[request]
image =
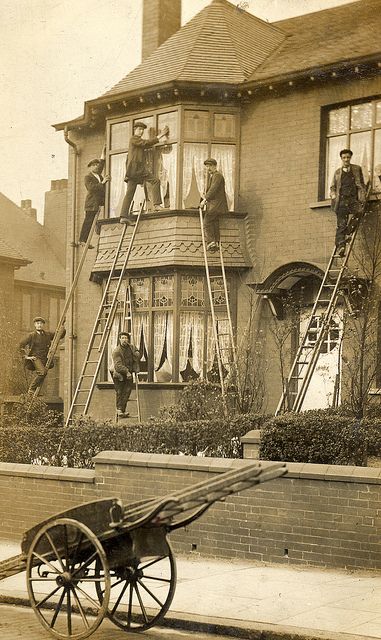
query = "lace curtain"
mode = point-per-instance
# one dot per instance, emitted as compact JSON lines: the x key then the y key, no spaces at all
{"x":223,"y":328}
{"x":140,"y":327}
{"x":191,"y":324}
{"x":163,"y":337}
{"x":225,"y":156}
{"x":112,"y":343}
{"x":167,"y":173}
{"x":193,"y":164}
{"x":117,"y":184}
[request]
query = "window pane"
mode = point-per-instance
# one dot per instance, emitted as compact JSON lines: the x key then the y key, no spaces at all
{"x":191,"y":345}
{"x":117,"y":184}
{"x":360,"y":144}
{"x":377,"y":160}
{"x":140,"y":337}
{"x":149,"y":122}
{"x":163,"y":291}
{"x":378,"y":112}
{"x":338,"y":120}
{"x":192,"y":291}
{"x":218,"y":292}
{"x":163,"y":345}
{"x":225,"y":156}
{"x":120,"y":135}
{"x":224,"y":125}
{"x":194,"y":173}
{"x":361,"y":116}
{"x":333,"y":158}
{"x":140,"y":292}
{"x":166,"y":171}
{"x":197,"y":125}
{"x":169,"y":119}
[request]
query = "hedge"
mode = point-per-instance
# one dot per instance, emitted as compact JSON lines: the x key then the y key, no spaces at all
{"x":39,"y":443}
{"x":318,"y":436}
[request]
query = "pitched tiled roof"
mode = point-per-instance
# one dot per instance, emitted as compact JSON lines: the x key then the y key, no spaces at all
{"x":348,"y":32}
{"x":220,"y":44}
{"x":10,"y":254}
{"x":27,"y":237}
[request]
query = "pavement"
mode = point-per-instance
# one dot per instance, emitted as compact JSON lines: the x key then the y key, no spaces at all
{"x":246,"y":599}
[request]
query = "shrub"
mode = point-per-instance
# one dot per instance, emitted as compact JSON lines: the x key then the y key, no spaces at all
{"x":318,"y":436}
{"x":372,"y":428}
{"x":199,"y":400}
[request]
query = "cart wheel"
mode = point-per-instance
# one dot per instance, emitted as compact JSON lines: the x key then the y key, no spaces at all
{"x":66,"y":566}
{"x":141,"y":593}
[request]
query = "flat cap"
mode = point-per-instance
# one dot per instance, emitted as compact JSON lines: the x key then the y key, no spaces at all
{"x":95,"y":161}
{"x":210,"y":161}
{"x":140,"y":124}
{"x":39,"y":319}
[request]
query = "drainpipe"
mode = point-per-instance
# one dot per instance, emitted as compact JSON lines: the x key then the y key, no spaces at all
{"x":71,"y":253}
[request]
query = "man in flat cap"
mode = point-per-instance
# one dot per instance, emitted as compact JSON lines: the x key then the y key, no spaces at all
{"x":347,"y":198}
{"x":35,"y":348}
{"x":126,"y":359}
{"x":215,"y":202}
{"x":137,"y":171}
{"x":95,"y":198}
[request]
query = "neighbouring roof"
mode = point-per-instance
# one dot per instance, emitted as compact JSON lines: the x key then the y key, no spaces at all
{"x":27,"y":238}
{"x":9,"y":254}
{"x":222,"y":43}
{"x":349,"y":32}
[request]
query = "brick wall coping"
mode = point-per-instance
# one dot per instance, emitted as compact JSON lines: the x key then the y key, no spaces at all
{"x":340,"y":473}
{"x":46,"y":472}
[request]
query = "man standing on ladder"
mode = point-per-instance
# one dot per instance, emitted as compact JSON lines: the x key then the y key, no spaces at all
{"x":347,"y":197}
{"x":215,"y":202}
{"x":35,"y":348}
{"x":137,"y":171}
{"x":126,"y":358}
{"x":95,"y":198}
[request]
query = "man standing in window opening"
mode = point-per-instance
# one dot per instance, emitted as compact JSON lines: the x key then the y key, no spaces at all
{"x":347,"y":198}
{"x":215,"y":202}
{"x":34,"y":349}
{"x":126,"y":358}
{"x":137,"y":172}
{"x":95,"y":198}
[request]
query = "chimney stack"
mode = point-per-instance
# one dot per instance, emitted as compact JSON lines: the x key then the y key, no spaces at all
{"x":161,"y":19}
{"x":26,"y":206}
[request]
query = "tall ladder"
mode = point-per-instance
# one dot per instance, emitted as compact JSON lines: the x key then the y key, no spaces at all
{"x":307,"y":354}
{"x":127,"y":325}
{"x":58,"y":332}
{"x":102,"y":327}
{"x":222,"y":327}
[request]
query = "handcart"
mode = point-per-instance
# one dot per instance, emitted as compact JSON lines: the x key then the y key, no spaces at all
{"x":103,"y":559}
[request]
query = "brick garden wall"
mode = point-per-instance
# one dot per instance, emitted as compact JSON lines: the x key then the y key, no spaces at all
{"x":317,"y":515}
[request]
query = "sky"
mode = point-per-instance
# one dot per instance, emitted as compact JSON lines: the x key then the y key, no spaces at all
{"x":55,"y":54}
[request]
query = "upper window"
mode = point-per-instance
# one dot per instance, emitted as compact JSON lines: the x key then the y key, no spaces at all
{"x":357,"y":127}
{"x":178,"y":162}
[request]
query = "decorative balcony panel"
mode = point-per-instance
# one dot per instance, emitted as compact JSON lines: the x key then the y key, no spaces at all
{"x":171,"y":239}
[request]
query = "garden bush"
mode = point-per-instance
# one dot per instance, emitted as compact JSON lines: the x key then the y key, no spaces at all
{"x":318,"y":436}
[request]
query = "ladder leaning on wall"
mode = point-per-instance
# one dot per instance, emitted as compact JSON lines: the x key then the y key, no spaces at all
{"x":225,"y":346}
{"x":60,"y":326}
{"x":307,"y":355}
{"x":102,"y":328}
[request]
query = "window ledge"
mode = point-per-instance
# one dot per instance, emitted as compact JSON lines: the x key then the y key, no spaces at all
{"x":147,"y":385}
{"x":322,"y":204}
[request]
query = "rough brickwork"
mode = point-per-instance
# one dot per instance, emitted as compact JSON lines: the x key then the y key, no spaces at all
{"x":317,"y":515}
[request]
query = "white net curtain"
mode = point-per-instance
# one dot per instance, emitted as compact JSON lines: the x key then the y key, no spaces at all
{"x":225,"y":156}
{"x":191,"y":341}
{"x":163,"y":346}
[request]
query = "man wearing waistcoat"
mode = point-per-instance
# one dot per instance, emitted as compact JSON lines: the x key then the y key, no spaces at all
{"x":215,"y":202}
{"x":347,"y":198}
{"x":126,"y":358}
{"x":35,"y":348}
{"x":95,"y":198}
{"x":137,"y":171}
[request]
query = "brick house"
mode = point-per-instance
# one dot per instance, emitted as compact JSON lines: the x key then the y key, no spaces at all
{"x":36,"y":277}
{"x":274,"y":104}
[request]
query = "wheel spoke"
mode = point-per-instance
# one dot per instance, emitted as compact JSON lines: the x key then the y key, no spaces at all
{"x":81,"y":610}
{"x":157,"y":579}
{"x":55,"y":550}
{"x":129,"y":614}
{"x":41,"y":602}
{"x":120,"y":596}
{"x":142,"y":607}
{"x":57,"y":609}
{"x":161,"y":604}
{"x":69,"y":625}
{"x":76,"y":551}
{"x":89,"y":598}
{"x":85,"y":564}
{"x":45,"y":561}
{"x":66,"y":546}
{"x":149,"y":564}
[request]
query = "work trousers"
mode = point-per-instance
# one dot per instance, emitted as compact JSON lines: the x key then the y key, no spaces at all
{"x":211,"y":227}
{"x":153,"y":193}
{"x":345,"y":226}
{"x":86,"y":225}
{"x":123,"y":390}
{"x":41,"y":372}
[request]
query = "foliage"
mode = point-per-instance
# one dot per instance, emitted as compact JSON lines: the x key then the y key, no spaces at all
{"x":318,"y":436}
{"x":199,"y":400}
{"x":38,"y":440}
